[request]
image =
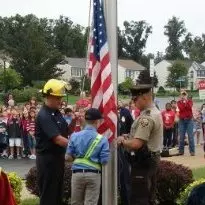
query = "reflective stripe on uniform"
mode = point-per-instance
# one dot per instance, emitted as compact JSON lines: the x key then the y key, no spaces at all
{"x":86,"y":159}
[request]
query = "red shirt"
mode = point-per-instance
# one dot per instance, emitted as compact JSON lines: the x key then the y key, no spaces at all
{"x":168,"y":117}
{"x":25,"y":125}
{"x":185,"y":109}
{"x":31,"y":127}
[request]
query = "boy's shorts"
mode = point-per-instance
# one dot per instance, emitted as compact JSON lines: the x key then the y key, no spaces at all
{"x":15,"y":142}
{"x":32,"y":142}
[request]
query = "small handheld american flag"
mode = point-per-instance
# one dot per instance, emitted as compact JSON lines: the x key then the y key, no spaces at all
{"x":99,"y":69}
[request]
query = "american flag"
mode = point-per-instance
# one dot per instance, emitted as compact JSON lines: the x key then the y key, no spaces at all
{"x":99,"y":69}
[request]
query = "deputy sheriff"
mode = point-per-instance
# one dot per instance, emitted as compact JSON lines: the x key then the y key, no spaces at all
{"x":88,"y":151}
{"x":144,"y":147}
{"x":51,"y":138}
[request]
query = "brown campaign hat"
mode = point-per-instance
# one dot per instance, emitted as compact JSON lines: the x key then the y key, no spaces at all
{"x":140,"y":89}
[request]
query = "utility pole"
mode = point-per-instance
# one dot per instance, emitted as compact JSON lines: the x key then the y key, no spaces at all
{"x":109,"y":175}
{"x":4,"y":61}
{"x":151,"y":71}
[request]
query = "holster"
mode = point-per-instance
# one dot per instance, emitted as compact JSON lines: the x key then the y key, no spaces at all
{"x":142,"y":157}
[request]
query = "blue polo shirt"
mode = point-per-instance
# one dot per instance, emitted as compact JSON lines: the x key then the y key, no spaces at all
{"x":80,"y":143}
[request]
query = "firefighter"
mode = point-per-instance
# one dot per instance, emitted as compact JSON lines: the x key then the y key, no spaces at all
{"x":51,"y":141}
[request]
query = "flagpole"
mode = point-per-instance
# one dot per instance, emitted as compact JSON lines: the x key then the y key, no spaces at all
{"x":109,"y":180}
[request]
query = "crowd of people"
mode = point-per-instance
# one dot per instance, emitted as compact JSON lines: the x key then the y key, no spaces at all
{"x":17,"y":124}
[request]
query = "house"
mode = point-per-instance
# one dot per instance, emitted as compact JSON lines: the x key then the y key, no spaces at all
{"x":74,"y":68}
{"x":128,"y":69}
{"x":5,"y":63}
{"x":196,"y":72}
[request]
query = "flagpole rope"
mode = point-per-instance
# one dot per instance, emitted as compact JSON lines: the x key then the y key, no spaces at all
{"x":87,"y":47}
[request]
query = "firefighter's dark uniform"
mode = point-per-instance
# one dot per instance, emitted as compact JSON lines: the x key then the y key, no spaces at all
{"x":149,"y":128}
{"x":50,"y":156}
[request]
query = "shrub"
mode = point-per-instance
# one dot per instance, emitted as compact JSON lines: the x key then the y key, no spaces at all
{"x":161,"y":90}
{"x":171,"y":180}
{"x":124,"y":87}
{"x":185,"y":194}
{"x":16,"y":184}
{"x":75,"y":87}
{"x":26,"y":94}
{"x":38,"y":84}
{"x":31,"y":182}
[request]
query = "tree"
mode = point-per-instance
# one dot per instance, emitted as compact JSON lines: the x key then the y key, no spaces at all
{"x":10,"y":79}
{"x":195,"y":47}
{"x":124,"y":87}
{"x":87,"y":83}
{"x":75,"y":87}
{"x":159,"y":57}
{"x":177,"y":77}
{"x":174,"y":30}
{"x":144,"y":78}
{"x":69,"y":38}
{"x":133,"y":39}
{"x":121,"y":44}
{"x":29,"y":42}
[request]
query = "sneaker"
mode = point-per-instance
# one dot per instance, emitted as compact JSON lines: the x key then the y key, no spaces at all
{"x":192,"y":154}
{"x":11,"y":156}
{"x":18,"y":156}
{"x":32,"y":156}
{"x":181,"y":154}
{"x":4,"y":156}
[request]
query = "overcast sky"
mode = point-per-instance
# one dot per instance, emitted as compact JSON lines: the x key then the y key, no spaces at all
{"x":155,"y":12}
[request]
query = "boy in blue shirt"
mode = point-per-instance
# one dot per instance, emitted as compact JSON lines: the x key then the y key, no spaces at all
{"x":88,"y":151}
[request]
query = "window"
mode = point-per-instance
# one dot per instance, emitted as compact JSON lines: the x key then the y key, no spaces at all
{"x":77,"y":72}
{"x":192,"y":74}
{"x":130,"y":74}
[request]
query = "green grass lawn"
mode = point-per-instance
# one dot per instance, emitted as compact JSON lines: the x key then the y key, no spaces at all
{"x":199,"y":173}
{"x":30,"y":202}
{"x":72,"y":99}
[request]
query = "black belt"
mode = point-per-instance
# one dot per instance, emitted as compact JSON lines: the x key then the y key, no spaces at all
{"x":86,"y":171}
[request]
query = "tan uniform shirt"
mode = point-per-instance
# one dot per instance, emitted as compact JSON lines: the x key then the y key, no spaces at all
{"x":149,"y":127}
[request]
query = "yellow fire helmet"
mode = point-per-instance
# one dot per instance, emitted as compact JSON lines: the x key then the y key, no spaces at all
{"x":56,"y":88}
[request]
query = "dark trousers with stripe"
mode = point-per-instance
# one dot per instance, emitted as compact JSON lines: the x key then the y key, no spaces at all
{"x":50,"y":172}
{"x":143,"y":182}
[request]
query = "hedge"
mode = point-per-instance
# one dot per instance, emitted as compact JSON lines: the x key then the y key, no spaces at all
{"x":32,"y":186}
{"x":185,"y":194}
{"x":171,"y":179}
{"x":26,"y":94}
{"x":16,"y":184}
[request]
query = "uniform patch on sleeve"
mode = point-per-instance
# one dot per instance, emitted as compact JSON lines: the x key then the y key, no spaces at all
{"x":144,"y":122}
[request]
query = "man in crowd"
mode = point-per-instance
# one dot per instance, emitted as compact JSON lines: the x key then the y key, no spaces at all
{"x":51,"y":142}
{"x":88,"y":151}
{"x":186,"y":124}
{"x":125,"y":123}
{"x":144,"y":147}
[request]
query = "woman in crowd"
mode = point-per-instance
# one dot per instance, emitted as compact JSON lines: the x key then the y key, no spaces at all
{"x":168,"y":116}
{"x":25,"y":125}
{"x":31,"y":134}
{"x":197,"y":124}
{"x":15,"y":134}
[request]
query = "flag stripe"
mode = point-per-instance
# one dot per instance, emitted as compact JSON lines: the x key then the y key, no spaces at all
{"x":102,"y":89}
